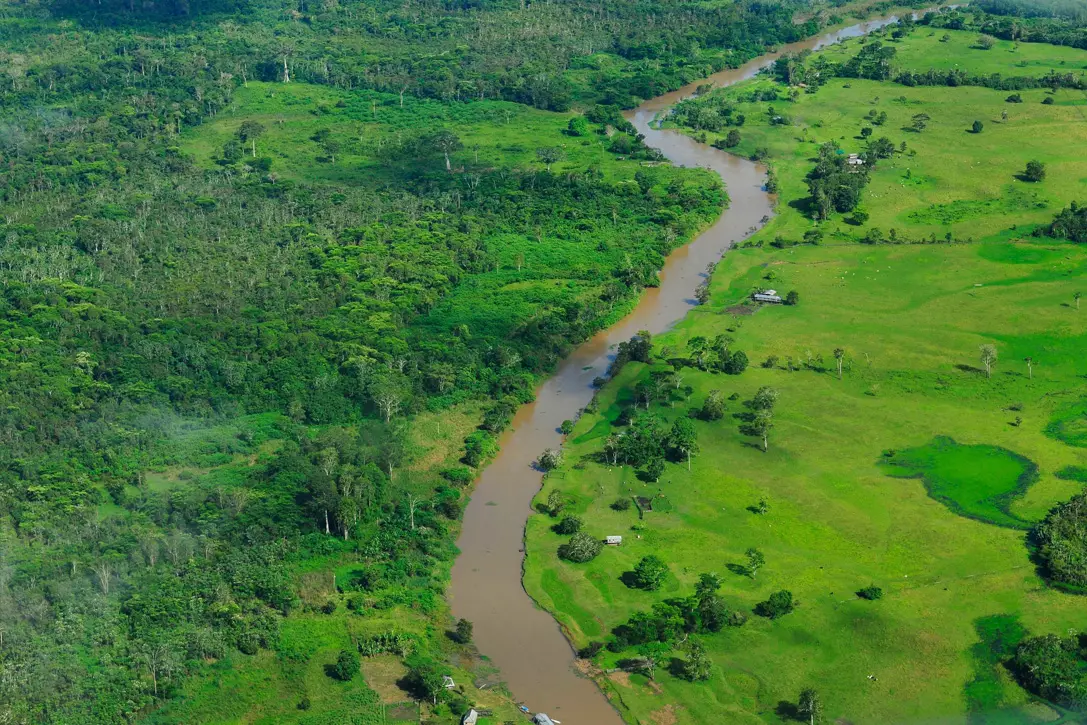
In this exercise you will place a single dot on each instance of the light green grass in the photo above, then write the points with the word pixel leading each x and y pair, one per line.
pixel 911 320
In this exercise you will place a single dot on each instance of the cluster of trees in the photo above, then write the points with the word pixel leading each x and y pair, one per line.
pixel 703 612
pixel 1070 223
pixel 1060 544
pixel 835 185
pixel 1052 667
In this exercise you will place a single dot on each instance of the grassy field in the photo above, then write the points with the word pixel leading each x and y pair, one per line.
pixel 945 542
pixel 949 180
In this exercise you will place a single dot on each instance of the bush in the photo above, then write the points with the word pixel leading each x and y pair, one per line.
pixel 871 593
pixel 621 504
pixel 793 298
pixel 1047 101
pixel 464 631
pixel 590 650
pixel 778 605
pixel 347 665
pixel 567 427
pixel 581 548
pixel 1035 171
pixel 328 607
pixel 1014 98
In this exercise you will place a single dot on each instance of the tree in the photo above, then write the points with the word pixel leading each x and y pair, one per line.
pixel 1035 171
pixel 683 439
pixel 696 667
pixel 810 705
pixel 568 526
pixel 708 583
pixel 777 605
pixel 550 459
pixel 839 358
pixel 581 548
pixel 654 469
pixel 250 131
pixel 732 139
pixel 426 681
pixel 792 298
pixel 1030 367
pixel 347 665
pixel 331 147
pixel 550 155
pixel 649 573
pixel 556 502
pixel 714 406
pixel 447 143
pixel 755 561
pixel 977 127
pixel 920 122
pixel 988 359
pixel 388 393
pixel 760 426
pixel 463 631
pixel 986 42
pixel 866 132
pixel 765 398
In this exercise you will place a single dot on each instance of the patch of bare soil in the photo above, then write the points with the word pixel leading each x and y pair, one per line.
pixel 620 678
pixel 382 673
pixel 665 716
pixel 740 310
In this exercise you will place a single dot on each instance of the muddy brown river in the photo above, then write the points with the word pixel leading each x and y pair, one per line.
pixel 523 641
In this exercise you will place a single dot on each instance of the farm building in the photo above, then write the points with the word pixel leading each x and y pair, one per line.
pixel 470 718
pixel 855 160
pixel 541 719
pixel 447 682
pixel 769 295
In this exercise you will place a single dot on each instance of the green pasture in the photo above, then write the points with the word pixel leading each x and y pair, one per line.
pixel 949 180
pixel 911 320
pixel 914 472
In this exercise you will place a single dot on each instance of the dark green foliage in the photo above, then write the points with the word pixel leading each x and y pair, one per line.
pixel 590 650
pixel 621 504
pixel 649 573
pixel 714 406
pixel 736 363
pixel 568 526
pixel 654 469
pixel 581 548
pixel 792 298
pixel 870 593
pixel 1060 540
pixel 777 605
pixel 875 61
pixel 697 664
pixel 1014 98
pixel 977 127
pixel 347 665
pixel 1035 171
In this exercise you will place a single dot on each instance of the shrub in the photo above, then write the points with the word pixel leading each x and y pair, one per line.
pixel 581 548
pixel 871 593
pixel 347 665
pixel 567 427
pixel 793 298
pixel 1035 171
pixel 328 607
pixel 1047 101
pixel 778 605
pixel 464 631
pixel 621 504
pixel 590 650
pixel 1014 98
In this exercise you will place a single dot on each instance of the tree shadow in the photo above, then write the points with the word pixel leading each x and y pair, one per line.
pixel 962 367
pixel 629 580
pixel 675 667
pixel 739 569
pixel 787 710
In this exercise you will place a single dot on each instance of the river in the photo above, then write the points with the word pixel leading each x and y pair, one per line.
pixel 523 641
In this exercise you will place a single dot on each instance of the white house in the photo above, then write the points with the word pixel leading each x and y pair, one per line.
pixel 769 295
pixel 613 540
pixel 470 718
